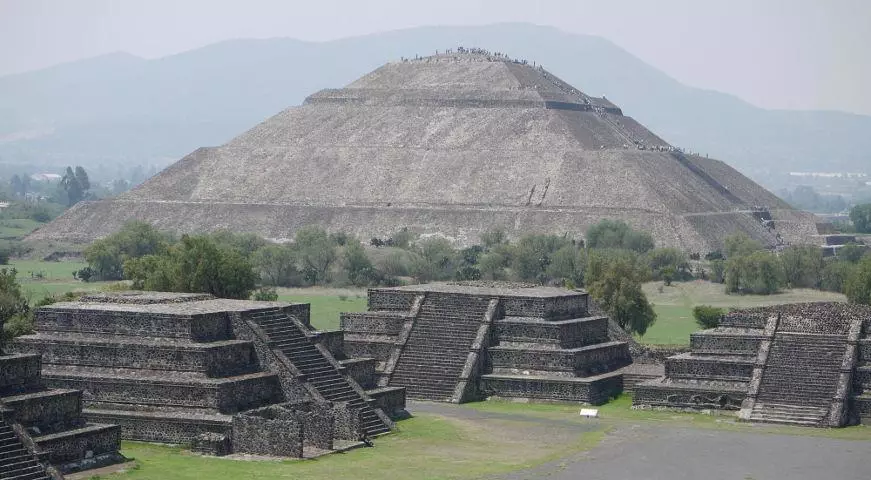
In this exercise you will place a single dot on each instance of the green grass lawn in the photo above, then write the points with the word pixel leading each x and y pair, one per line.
pixel 16 228
pixel 40 278
pixel 425 447
pixel 326 303
pixel 453 447
pixel 674 306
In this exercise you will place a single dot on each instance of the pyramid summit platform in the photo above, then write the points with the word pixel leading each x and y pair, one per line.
pixel 455 144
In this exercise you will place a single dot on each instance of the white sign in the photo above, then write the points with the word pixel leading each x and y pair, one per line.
pixel 590 412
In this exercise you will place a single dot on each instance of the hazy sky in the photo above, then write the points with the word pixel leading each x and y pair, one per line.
pixel 796 54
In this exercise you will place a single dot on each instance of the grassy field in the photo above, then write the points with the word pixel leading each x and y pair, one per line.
pixel 456 445
pixel 431 446
pixel 39 278
pixel 17 228
pixel 326 303
pixel 674 306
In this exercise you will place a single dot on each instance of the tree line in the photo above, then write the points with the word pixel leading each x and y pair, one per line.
pixel 612 264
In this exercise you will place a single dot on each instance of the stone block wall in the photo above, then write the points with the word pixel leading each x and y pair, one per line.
pixel 564 334
pixel 333 341
pixel 65 449
pixel 692 367
pixel 268 432
pixel 584 361
pixel 20 372
pixel 217 359
pixel 550 308
pixel 362 370
pixel 373 323
pixel 49 411
pixel 390 300
pixel 199 328
pixel 736 344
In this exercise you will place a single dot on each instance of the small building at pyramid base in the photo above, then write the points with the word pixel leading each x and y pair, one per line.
pixel 468 341
pixel 221 376
pixel 800 364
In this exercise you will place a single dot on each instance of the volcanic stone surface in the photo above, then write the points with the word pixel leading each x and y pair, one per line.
pixel 453 144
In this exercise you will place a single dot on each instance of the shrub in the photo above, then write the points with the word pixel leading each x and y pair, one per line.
pixel 707 316
pixel 802 266
pixel 615 282
pixel 852 252
pixel 618 234
pixel 136 239
pixel 760 273
pixel 739 245
pixel 858 284
pixel 835 274
pixel 196 264
pixel 266 294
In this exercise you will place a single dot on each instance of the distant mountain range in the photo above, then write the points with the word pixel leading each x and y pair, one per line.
pixel 119 108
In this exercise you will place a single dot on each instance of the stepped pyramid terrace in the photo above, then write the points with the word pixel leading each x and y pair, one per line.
pixel 453 144
pixel 42 431
pixel 222 376
pixel 802 364
pixel 466 341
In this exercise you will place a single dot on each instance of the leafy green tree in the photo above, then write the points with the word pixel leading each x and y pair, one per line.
pixel 196 264
pixel 858 284
pixel 618 234
pixel 533 255
pixel 835 275
pixel 76 184
pixel 707 316
pixel 615 282
pixel 668 264
pixel 860 215
pixel 402 239
pixel 494 263
pixel 491 238
pixel 739 245
pixel 760 273
pixel 14 311
pixel 244 243
pixel 277 265
pixel 718 270
pixel 136 239
pixel 567 264
pixel 361 272
pixel 316 253
pixel 802 266
pixel 436 260
pixel 852 252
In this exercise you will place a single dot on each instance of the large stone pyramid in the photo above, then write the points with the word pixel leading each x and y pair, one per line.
pixel 455 144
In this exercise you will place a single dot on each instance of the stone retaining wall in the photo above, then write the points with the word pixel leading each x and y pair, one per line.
pixel 214 359
pixel 199 328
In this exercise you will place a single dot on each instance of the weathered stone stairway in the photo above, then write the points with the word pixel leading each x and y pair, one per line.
pixel 286 337
pixel 800 379
pixel 16 462
pixel 440 340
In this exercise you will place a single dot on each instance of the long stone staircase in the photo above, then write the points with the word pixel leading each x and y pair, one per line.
pixel 16 462
pixel 800 379
pixel 288 338
pixel 442 336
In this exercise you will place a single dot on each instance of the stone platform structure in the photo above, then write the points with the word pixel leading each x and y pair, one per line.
pixel 801 364
pixel 463 342
pixel 205 372
pixel 42 431
pixel 453 144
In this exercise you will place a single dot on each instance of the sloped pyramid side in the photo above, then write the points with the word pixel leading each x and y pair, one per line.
pixel 451 144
